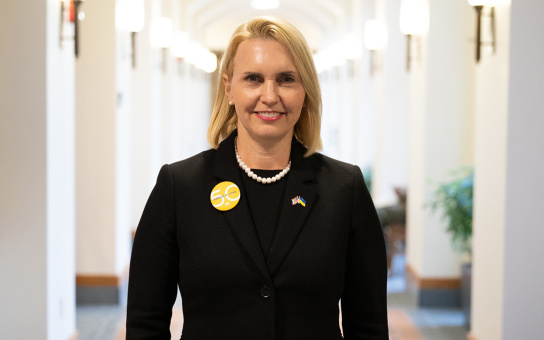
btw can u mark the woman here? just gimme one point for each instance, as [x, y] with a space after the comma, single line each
[267, 253]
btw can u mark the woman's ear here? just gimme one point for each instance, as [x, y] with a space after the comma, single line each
[226, 82]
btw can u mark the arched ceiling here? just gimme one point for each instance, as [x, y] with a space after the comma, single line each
[213, 21]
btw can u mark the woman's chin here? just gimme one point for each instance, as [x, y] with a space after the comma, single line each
[272, 135]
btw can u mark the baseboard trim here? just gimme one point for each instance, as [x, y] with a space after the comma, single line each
[432, 283]
[433, 292]
[94, 280]
[101, 289]
[98, 280]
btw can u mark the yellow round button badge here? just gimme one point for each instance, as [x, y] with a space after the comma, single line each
[225, 196]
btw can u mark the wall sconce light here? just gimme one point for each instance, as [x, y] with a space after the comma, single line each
[414, 21]
[183, 48]
[77, 16]
[180, 49]
[130, 17]
[479, 6]
[195, 54]
[339, 53]
[180, 45]
[352, 49]
[375, 40]
[74, 15]
[162, 34]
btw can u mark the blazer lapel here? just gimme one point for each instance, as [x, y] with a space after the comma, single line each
[239, 218]
[293, 215]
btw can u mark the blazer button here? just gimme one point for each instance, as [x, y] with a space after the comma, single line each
[266, 292]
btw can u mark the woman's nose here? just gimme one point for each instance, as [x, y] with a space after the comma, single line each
[270, 95]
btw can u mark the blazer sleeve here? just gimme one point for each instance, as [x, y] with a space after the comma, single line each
[364, 300]
[152, 287]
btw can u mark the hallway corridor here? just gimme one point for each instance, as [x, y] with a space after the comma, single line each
[96, 96]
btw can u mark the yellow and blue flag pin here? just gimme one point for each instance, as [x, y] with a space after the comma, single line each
[298, 200]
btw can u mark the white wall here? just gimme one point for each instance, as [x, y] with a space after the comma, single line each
[60, 87]
[123, 152]
[442, 103]
[348, 129]
[508, 232]
[157, 110]
[23, 134]
[363, 95]
[129, 123]
[492, 82]
[140, 103]
[392, 111]
[37, 171]
[524, 237]
[103, 146]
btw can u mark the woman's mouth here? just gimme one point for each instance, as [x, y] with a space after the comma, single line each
[269, 115]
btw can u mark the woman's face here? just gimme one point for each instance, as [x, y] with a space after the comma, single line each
[266, 90]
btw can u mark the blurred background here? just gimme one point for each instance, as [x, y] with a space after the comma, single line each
[440, 102]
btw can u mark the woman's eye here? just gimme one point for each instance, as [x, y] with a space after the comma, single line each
[252, 78]
[288, 79]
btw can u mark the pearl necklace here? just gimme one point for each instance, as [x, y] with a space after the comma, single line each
[254, 176]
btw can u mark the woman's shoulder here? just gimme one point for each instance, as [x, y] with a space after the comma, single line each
[340, 176]
[203, 156]
[326, 165]
[194, 166]
[320, 162]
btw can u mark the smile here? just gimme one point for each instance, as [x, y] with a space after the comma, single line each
[269, 116]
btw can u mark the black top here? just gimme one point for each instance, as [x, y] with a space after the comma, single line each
[265, 201]
[327, 248]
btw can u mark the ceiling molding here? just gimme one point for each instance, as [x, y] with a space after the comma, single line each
[213, 21]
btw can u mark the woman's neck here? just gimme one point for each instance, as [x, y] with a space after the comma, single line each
[265, 156]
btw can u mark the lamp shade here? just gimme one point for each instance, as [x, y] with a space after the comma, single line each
[414, 17]
[375, 35]
[322, 61]
[162, 32]
[181, 45]
[208, 62]
[130, 15]
[491, 3]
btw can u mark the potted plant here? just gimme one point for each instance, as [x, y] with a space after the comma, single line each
[454, 200]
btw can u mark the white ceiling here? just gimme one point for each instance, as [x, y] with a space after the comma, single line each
[213, 21]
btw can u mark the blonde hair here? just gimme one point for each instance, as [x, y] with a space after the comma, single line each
[308, 128]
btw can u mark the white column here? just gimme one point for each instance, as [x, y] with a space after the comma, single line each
[142, 178]
[524, 234]
[103, 156]
[508, 300]
[363, 96]
[441, 107]
[490, 185]
[37, 170]
[392, 111]
[156, 100]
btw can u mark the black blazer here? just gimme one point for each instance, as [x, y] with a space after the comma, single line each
[330, 249]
